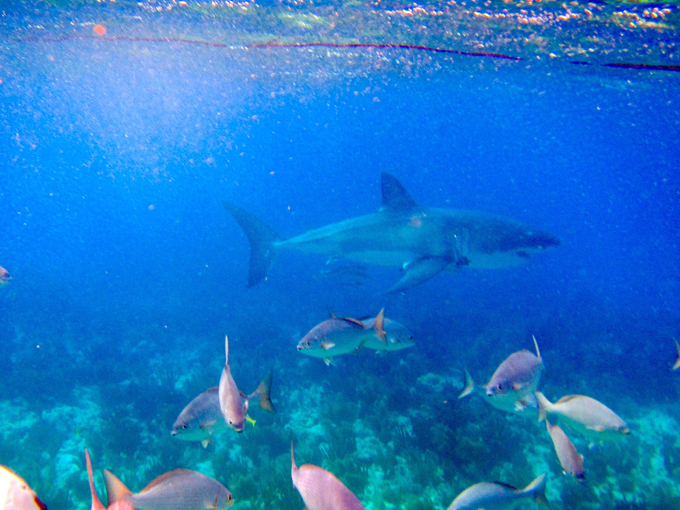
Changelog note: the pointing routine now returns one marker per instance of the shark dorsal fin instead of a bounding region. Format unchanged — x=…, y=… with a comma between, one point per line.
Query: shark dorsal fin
x=394, y=195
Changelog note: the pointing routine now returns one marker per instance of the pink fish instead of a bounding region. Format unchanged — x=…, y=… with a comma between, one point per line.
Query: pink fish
x=181, y=489
x=570, y=460
x=15, y=493
x=512, y=386
x=96, y=503
x=234, y=403
x=5, y=278
x=320, y=489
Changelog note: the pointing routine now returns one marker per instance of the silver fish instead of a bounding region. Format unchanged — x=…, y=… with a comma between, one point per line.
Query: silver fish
x=201, y=419
x=512, y=386
x=498, y=496
x=584, y=415
x=234, y=403
x=181, y=489
x=15, y=493
x=5, y=278
x=397, y=336
x=320, y=489
x=338, y=335
x=422, y=241
x=570, y=459
x=96, y=503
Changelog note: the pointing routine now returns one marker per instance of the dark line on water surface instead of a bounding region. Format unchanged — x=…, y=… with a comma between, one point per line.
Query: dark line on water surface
x=388, y=46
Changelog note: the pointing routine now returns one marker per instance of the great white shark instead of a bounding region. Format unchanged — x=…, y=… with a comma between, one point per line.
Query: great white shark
x=422, y=241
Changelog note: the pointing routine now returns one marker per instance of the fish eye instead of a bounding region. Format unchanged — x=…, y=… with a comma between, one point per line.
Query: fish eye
x=499, y=386
x=184, y=426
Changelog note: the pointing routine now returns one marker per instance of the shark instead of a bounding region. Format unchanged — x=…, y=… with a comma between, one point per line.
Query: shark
x=422, y=241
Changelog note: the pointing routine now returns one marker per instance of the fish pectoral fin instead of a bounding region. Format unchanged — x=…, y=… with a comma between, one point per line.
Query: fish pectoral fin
x=520, y=405
x=328, y=361
x=208, y=424
x=327, y=345
x=250, y=420
x=206, y=442
x=419, y=271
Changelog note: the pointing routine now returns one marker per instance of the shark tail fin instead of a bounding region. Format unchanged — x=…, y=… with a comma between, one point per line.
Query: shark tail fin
x=262, y=393
x=261, y=238
x=469, y=385
x=115, y=489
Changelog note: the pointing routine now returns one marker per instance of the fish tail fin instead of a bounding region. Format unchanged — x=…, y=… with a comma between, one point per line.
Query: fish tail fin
x=261, y=238
x=96, y=503
x=379, y=326
x=537, y=490
x=116, y=490
x=262, y=393
x=293, y=467
x=469, y=385
x=538, y=353
x=677, y=362
x=543, y=405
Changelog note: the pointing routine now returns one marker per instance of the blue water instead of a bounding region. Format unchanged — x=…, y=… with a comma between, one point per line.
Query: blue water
x=128, y=272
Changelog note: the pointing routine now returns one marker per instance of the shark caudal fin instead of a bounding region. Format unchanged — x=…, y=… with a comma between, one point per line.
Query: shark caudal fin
x=261, y=238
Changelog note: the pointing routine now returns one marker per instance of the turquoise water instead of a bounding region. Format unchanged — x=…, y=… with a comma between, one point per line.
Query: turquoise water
x=118, y=149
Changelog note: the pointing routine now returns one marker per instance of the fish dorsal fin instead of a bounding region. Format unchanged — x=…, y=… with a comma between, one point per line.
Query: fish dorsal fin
x=356, y=322
x=293, y=467
x=567, y=398
x=115, y=489
x=394, y=195
x=379, y=326
x=96, y=504
x=506, y=485
x=165, y=476
x=538, y=353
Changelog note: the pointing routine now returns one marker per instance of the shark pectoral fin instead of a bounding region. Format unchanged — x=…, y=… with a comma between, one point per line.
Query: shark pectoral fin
x=419, y=271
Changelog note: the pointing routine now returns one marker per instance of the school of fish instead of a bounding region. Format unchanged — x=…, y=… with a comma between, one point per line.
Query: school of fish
x=512, y=388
